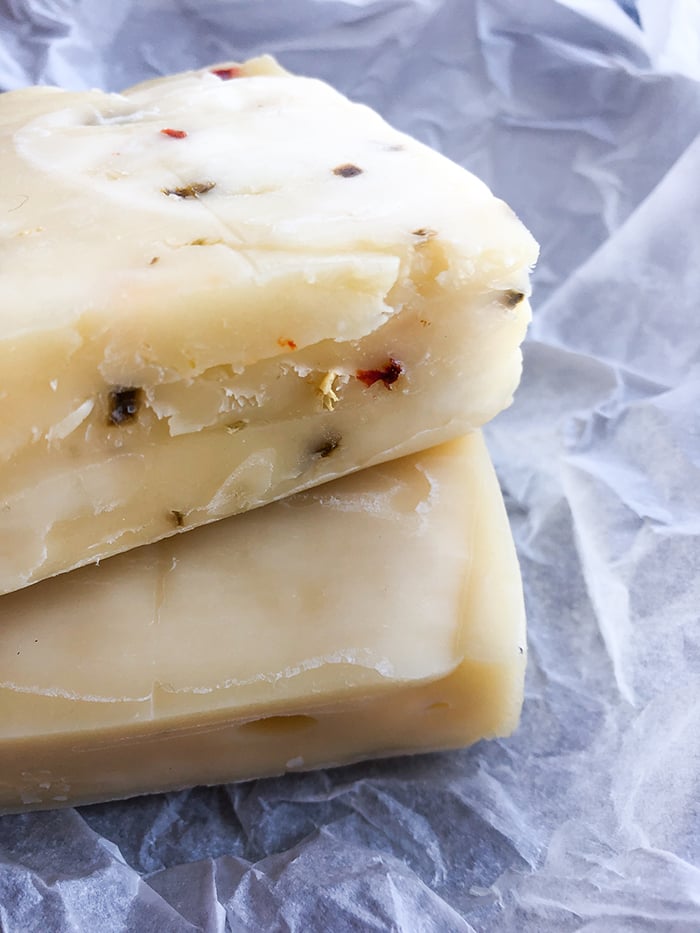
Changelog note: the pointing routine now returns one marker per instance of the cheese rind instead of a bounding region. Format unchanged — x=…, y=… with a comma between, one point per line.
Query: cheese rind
x=192, y=326
x=377, y=615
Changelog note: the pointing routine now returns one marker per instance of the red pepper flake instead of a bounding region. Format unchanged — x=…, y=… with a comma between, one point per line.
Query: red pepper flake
x=388, y=374
x=235, y=71
x=175, y=134
x=286, y=342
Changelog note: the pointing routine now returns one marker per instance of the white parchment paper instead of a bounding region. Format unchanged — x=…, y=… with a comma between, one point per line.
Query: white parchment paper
x=585, y=116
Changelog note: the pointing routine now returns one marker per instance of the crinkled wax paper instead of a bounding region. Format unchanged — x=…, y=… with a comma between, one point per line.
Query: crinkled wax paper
x=584, y=115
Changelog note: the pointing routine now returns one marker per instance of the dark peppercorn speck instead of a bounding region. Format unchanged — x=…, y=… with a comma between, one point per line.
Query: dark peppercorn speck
x=347, y=171
x=124, y=405
x=192, y=190
x=329, y=443
x=511, y=298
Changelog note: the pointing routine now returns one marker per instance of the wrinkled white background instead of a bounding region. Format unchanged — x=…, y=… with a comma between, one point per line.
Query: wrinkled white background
x=588, y=818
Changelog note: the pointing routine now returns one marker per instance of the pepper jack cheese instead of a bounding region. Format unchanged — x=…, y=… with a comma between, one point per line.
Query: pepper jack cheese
x=377, y=615
x=225, y=286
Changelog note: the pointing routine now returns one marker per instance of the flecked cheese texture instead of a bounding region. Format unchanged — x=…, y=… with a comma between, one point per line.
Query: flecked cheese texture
x=377, y=615
x=225, y=286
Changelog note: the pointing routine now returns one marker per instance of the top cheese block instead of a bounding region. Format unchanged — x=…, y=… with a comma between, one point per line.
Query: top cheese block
x=225, y=286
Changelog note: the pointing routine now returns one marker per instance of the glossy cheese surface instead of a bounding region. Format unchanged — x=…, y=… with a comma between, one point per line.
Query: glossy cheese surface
x=377, y=615
x=213, y=290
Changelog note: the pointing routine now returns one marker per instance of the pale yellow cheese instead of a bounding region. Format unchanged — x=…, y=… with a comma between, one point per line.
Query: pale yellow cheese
x=376, y=615
x=234, y=281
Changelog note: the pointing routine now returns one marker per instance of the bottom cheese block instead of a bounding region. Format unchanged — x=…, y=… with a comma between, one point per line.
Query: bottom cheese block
x=377, y=615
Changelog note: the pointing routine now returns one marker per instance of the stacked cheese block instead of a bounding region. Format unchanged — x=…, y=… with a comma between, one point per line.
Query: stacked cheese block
x=218, y=290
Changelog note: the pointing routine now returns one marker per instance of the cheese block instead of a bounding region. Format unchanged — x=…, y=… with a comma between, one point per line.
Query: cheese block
x=225, y=286
x=377, y=615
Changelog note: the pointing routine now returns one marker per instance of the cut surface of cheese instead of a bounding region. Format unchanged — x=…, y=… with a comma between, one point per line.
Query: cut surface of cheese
x=377, y=615
x=225, y=286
